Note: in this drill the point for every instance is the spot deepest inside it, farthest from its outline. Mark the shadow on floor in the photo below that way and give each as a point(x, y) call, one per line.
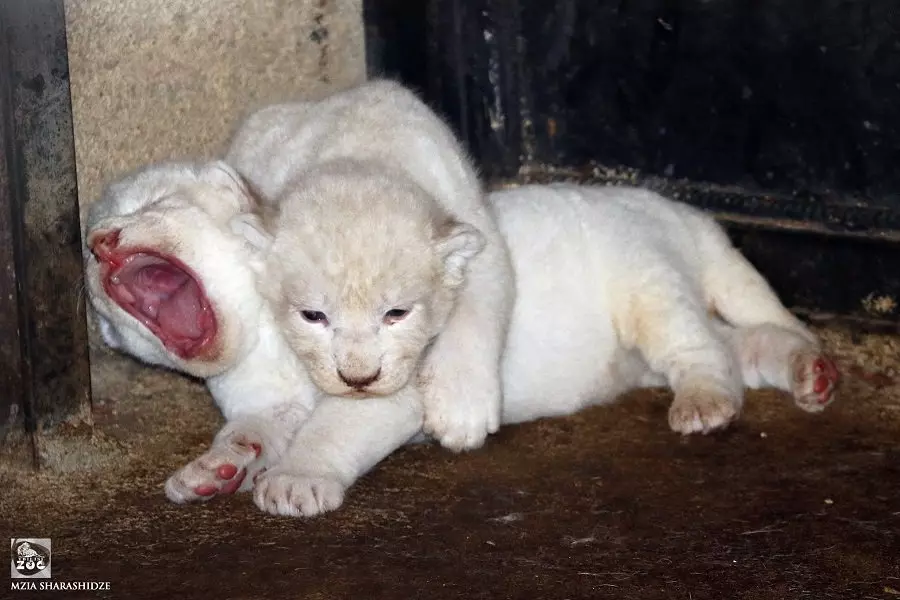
point(605, 504)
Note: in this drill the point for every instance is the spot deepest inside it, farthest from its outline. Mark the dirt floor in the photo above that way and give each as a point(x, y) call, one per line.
point(605, 504)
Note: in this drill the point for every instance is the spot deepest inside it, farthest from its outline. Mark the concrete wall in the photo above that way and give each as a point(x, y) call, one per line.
point(160, 79)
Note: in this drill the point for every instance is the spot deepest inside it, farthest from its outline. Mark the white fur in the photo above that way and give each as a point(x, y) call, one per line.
point(149, 209)
point(378, 264)
point(615, 289)
point(256, 381)
point(363, 147)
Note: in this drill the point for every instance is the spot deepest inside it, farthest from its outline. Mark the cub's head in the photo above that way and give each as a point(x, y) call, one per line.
point(168, 281)
point(362, 270)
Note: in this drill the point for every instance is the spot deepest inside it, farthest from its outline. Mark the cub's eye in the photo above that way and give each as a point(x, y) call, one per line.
point(314, 316)
point(394, 315)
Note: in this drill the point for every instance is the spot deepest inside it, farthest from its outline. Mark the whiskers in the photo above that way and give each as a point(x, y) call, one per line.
point(80, 295)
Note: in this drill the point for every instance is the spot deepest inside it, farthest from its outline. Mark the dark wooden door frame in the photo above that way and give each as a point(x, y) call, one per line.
point(44, 369)
point(496, 69)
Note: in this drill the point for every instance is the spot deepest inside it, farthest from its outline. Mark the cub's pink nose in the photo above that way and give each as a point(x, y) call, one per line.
point(102, 243)
point(360, 382)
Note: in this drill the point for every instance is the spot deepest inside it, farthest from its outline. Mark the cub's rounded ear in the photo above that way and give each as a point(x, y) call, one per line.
point(250, 228)
point(456, 244)
point(221, 174)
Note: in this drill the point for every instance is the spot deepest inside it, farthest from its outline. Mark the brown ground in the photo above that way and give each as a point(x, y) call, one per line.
point(606, 504)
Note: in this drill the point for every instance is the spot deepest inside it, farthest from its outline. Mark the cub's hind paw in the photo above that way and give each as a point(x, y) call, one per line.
point(814, 378)
point(701, 412)
point(220, 471)
point(295, 494)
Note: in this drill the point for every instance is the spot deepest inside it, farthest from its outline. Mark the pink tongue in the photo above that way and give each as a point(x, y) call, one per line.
point(165, 293)
point(180, 315)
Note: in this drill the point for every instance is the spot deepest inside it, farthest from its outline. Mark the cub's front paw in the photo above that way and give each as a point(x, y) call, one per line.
point(221, 470)
point(699, 411)
point(814, 379)
point(461, 409)
point(290, 493)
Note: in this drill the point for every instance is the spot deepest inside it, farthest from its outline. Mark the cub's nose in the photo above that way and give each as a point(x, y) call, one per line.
point(102, 243)
point(360, 382)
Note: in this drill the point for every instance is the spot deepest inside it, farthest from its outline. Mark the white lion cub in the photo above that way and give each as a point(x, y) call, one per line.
point(381, 215)
point(171, 285)
point(362, 274)
point(617, 288)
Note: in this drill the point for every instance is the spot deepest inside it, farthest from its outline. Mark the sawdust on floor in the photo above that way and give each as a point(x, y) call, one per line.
point(607, 503)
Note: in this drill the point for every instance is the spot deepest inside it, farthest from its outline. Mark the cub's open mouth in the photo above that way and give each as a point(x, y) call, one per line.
point(162, 293)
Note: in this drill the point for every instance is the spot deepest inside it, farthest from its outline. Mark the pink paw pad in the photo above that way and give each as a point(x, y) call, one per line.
point(226, 471)
point(257, 449)
point(205, 490)
point(827, 377)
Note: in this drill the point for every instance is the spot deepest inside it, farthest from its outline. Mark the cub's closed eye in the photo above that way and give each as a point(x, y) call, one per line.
point(314, 316)
point(394, 315)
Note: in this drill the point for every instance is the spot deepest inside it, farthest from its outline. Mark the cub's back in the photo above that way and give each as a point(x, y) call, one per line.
point(379, 120)
point(620, 219)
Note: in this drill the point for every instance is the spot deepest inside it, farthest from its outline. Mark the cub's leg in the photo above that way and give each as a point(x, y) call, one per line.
point(460, 378)
point(342, 440)
point(242, 448)
point(772, 356)
point(737, 292)
point(664, 319)
point(774, 347)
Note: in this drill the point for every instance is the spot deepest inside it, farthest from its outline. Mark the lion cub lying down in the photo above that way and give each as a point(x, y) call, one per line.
point(616, 289)
point(360, 169)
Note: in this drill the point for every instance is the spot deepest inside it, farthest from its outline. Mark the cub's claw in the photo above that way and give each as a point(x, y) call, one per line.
point(294, 494)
